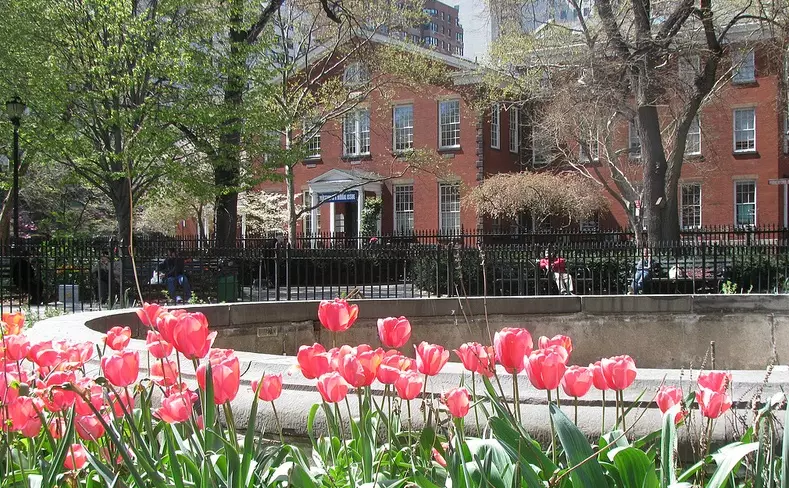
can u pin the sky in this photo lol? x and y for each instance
(476, 27)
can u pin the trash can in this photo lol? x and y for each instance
(228, 289)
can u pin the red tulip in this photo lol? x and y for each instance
(157, 346)
(360, 369)
(598, 377)
(118, 337)
(715, 380)
(619, 371)
(458, 401)
(76, 457)
(409, 385)
(394, 332)
(24, 417)
(14, 323)
(225, 375)
(191, 336)
(164, 372)
(713, 404)
(577, 381)
(557, 340)
(512, 345)
(89, 427)
(149, 313)
(14, 347)
(270, 387)
(477, 358)
(332, 387)
(430, 358)
(53, 395)
(313, 361)
(545, 368)
(337, 315)
(176, 408)
(392, 364)
(121, 368)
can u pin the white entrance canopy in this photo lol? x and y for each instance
(338, 185)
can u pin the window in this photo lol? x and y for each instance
(514, 129)
(593, 146)
(563, 14)
(591, 224)
(745, 203)
(744, 66)
(314, 144)
(459, 50)
(356, 133)
(495, 126)
(449, 207)
(634, 140)
(442, 15)
(431, 26)
(443, 30)
(690, 206)
(540, 156)
(689, 68)
(404, 209)
(693, 144)
(449, 123)
(403, 127)
(356, 74)
(744, 130)
(430, 11)
(430, 41)
(449, 17)
(457, 21)
(307, 218)
(339, 222)
(459, 36)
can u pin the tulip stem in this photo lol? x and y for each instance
(602, 425)
(474, 399)
(558, 400)
(231, 423)
(553, 428)
(624, 412)
(410, 429)
(279, 425)
(616, 417)
(516, 397)
(333, 339)
(575, 405)
(424, 401)
(344, 443)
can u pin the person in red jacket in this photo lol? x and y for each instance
(558, 268)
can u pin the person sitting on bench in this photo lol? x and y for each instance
(173, 269)
(101, 274)
(558, 269)
(643, 271)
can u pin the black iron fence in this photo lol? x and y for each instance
(91, 274)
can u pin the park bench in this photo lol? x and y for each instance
(692, 275)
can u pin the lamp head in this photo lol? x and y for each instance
(15, 108)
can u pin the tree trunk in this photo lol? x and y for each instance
(122, 205)
(290, 192)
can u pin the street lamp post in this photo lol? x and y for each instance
(15, 108)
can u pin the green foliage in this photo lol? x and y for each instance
(370, 215)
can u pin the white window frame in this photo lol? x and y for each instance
(743, 58)
(539, 158)
(495, 126)
(306, 218)
(452, 125)
(313, 144)
(408, 215)
(754, 203)
(514, 115)
(735, 130)
(633, 140)
(683, 204)
(405, 131)
(361, 133)
(455, 210)
(356, 74)
(694, 131)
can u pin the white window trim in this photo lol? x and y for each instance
(697, 118)
(592, 142)
(755, 203)
(514, 134)
(394, 206)
(743, 53)
(632, 126)
(357, 133)
(682, 205)
(497, 111)
(441, 213)
(394, 128)
(356, 70)
(460, 121)
(734, 131)
(315, 155)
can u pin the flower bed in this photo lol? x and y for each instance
(66, 426)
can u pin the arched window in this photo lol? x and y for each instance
(356, 74)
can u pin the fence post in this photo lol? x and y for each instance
(287, 271)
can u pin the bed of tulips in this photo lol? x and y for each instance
(83, 415)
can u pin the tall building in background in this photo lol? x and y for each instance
(536, 14)
(443, 32)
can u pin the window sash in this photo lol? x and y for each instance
(514, 129)
(403, 127)
(745, 203)
(693, 143)
(744, 130)
(307, 217)
(634, 140)
(495, 126)
(356, 133)
(744, 63)
(313, 144)
(690, 205)
(449, 124)
(449, 207)
(404, 209)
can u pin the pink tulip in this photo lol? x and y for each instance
(712, 403)
(359, 370)
(512, 346)
(118, 337)
(313, 361)
(76, 458)
(176, 408)
(191, 336)
(458, 401)
(157, 346)
(545, 368)
(95, 394)
(667, 397)
(557, 340)
(14, 347)
(149, 313)
(164, 372)
(409, 385)
(577, 381)
(270, 387)
(121, 368)
(598, 377)
(430, 358)
(337, 315)
(715, 380)
(89, 427)
(13, 323)
(394, 332)
(332, 387)
(225, 375)
(619, 372)
(392, 364)
(24, 417)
